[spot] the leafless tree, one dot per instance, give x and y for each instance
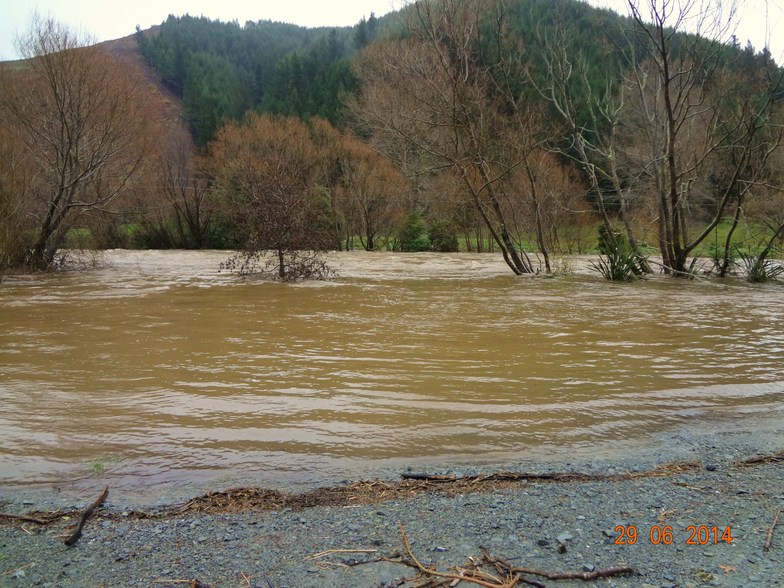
(186, 189)
(451, 88)
(592, 124)
(706, 126)
(375, 190)
(81, 126)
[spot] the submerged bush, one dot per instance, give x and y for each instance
(760, 268)
(619, 261)
(412, 234)
(443, 237)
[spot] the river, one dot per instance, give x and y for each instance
(155, 370)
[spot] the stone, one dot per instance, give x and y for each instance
(565, 536)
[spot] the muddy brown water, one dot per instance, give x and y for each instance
(156, 370)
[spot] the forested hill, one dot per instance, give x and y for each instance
(220, 70)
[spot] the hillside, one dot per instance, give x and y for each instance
(163, 104)
(220, 70)
(207, 72)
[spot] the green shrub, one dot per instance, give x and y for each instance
(761, 269)
(443, 237)
(619, 262)
(412, 234)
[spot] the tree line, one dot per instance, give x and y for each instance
(517, 126)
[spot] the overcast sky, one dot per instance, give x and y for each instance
(106, 20)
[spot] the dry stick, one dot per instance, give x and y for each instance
(427, 477)
(5, 515)
(191, 583)
(433, 572)
(13, 571)
(587, 576)
(334, 551)
(774, 458)
(769, 537)
(86, 515)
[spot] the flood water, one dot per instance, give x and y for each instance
(157, 369)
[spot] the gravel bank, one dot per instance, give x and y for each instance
(569, 525)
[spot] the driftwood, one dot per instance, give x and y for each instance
(659, 471)
(506, 576)
(25, 518)
(195, 583)
(191, 583)
(86, 515)
(427, 477)
(585, 576)
(769, 537)
(370, 492)
(774, 458)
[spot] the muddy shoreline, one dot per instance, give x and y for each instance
(567, 516)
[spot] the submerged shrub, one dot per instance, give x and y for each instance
(619, 262)
(443, 237)
(412, 234)
(760, 268)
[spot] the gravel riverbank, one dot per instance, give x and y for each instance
(702, 500)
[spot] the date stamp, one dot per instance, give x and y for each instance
(665, 535)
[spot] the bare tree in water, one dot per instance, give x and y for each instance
(265, 171)
(704, 125)
(452, 89)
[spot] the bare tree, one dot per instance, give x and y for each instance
(14, 181)
(186, 189)
(81, 126)
(592, 125)
(451, 88)
(374, 187)
(704, 127)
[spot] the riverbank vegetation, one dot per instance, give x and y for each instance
(530, 128)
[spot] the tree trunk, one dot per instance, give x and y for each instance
(281, 264)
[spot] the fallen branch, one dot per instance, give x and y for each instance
(427, 477)
(508, 575)
(321, 554)
(585, 576)
(494, 583)
(775, 458)
(191, 583)
(769, 537)
(15, 570)
(506, 567)
(86, 515)
(658, 472)
(27, 519)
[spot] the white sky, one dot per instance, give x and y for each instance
(105, 20)
(758, 21)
